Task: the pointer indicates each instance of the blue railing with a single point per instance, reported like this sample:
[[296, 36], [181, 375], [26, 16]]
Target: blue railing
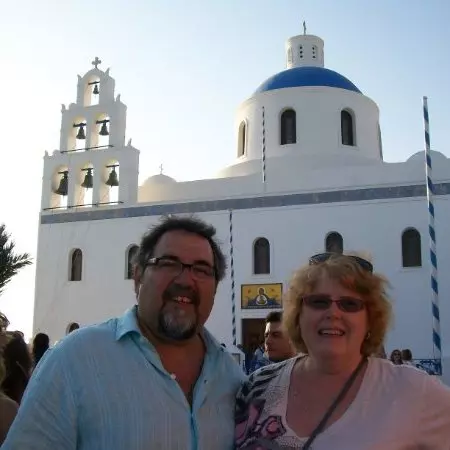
[[431, 366]]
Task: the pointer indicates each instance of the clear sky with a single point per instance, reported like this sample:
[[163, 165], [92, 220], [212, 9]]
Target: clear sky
[[183, 67]]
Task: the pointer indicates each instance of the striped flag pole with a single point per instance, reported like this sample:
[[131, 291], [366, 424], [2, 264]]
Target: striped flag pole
[[263, 145], [233, 290], [431, 229]]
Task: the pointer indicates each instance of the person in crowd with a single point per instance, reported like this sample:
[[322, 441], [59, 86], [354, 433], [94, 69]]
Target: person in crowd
[[18, 366], [407, 357], [277, 346], [337, 396], [8, 407], [254, 348], [154, 378], [41, 344], [396, 357]]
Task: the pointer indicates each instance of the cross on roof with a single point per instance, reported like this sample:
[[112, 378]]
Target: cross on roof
[[160, 168], [304, 27], [96, 62]]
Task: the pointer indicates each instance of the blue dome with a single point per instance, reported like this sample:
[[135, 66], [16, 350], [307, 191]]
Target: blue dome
[[307, 76]]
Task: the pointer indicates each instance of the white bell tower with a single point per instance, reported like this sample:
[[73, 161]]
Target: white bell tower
[[93, 167]]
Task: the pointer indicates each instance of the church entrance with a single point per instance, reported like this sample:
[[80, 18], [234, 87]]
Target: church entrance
[[252, 334]]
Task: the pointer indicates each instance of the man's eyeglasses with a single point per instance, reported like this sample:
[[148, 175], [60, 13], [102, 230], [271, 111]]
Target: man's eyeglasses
[[322, 302], [174, 268], [322, 257]]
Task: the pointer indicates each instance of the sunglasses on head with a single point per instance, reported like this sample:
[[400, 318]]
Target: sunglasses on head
[[322, 302], [322, 257]]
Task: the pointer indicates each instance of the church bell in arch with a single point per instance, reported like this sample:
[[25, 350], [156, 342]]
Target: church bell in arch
[[63, 184], [113, 179], [88, 182], [104, 129], [81, 134], [96, 90]]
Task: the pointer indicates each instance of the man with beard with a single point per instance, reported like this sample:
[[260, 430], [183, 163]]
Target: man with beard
[[154, 378]]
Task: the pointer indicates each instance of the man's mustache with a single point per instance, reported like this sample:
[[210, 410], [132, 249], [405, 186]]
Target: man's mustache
[[176, 290]]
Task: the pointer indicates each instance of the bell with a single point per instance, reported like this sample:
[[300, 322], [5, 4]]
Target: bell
[[96, 91], [88, 180], [104, 130], [81, 134], [63, 184], [113, 179]]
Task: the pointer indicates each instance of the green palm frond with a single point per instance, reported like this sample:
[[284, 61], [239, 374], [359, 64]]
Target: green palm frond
[[10, 261]]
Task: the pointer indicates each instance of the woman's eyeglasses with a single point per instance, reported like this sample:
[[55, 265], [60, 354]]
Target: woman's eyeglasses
[[322, 302], [322, 257]]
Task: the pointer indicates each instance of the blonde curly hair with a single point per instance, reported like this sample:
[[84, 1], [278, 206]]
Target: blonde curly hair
[[348, 273]]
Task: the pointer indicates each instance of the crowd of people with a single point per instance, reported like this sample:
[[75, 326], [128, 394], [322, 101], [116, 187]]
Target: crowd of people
[[17, 363], [156, 378]]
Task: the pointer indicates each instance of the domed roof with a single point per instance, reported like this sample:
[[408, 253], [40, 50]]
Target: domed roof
[[159, 179], [307, 76], [437, 157]]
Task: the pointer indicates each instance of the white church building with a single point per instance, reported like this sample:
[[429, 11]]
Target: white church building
[[309, 176]]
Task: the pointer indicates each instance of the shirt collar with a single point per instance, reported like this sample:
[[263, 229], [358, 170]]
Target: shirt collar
[[127, 324]]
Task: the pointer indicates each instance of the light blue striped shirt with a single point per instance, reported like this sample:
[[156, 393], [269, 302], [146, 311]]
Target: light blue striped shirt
[[104, 388]]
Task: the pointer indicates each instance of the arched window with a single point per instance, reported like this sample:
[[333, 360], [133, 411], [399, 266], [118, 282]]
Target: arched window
[[76, 265], [334, 243], [347, 128], [261, 256], [380, 142], [288, 127], [289, 56], [72, 327], [131, 255], [411, 248], [242, 138]]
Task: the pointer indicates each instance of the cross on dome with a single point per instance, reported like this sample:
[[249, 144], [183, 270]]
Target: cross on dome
[[96, 62]]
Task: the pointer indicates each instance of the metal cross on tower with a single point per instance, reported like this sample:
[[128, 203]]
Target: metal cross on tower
[[96, 62]]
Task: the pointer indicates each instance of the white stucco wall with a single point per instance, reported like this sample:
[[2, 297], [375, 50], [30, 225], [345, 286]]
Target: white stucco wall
[[318, 113], [297, 173], [294, 233]]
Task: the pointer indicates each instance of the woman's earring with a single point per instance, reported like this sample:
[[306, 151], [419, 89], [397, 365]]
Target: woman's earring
[[368, 336]]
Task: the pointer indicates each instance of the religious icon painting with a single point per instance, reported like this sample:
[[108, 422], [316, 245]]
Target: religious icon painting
[[262, 296]]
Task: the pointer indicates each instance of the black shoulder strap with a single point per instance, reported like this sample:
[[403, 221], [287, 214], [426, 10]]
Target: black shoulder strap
[[348, 384]]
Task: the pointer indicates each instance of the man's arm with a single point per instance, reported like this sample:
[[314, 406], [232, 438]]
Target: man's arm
[[47, 417]]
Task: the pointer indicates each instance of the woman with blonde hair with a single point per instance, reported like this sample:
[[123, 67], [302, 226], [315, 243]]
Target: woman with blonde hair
[[337, 395]]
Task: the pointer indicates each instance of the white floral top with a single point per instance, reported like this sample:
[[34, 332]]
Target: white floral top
[[396, 408]]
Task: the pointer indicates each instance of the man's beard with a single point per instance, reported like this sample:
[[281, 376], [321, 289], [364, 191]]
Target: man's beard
[[177, 324], [174, 327]]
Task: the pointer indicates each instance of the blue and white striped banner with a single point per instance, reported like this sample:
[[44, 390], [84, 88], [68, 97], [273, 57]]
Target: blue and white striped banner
[[431, 228], [233, 287], [263, 145]]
